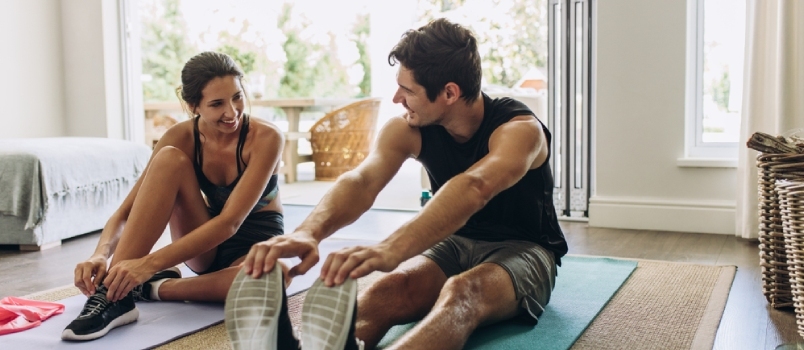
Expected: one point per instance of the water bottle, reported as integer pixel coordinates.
(425, 196)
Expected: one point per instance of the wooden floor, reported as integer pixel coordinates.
(748, 322)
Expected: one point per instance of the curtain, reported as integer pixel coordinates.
(773, 92)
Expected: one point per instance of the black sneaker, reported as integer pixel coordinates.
(143, 291)
(328, 317)
(99, 316)
(256, 313)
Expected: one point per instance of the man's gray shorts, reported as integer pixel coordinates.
(532, 268)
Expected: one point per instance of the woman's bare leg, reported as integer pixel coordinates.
(209, 287)
(169, 192)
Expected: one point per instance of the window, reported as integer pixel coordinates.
(286, 49)
(715, 53)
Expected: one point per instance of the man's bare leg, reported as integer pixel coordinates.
(402, 296)
(483, 295)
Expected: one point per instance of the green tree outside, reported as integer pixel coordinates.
(297, 79)
(360, 34)
(508, 48)
(721, 89)
(165, 49)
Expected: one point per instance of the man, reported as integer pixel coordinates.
(484, 249)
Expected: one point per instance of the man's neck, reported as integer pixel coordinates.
(463, 120)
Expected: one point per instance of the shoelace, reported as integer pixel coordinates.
(138, 294)
(95, 304)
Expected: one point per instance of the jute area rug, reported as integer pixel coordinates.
(663, 305)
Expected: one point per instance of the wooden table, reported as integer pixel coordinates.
(292, 108)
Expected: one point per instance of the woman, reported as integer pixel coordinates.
(220, 152)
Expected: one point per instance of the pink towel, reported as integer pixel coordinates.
(18, 314)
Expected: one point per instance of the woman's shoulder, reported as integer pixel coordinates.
(180, 134)
(263, 128)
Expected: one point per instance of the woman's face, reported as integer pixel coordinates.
(222, 104)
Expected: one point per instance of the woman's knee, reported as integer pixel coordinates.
(170, 158)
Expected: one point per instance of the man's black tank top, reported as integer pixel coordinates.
(523, 212)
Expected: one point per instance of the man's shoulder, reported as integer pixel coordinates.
(397, 126)
(508, 107)
(396, 133)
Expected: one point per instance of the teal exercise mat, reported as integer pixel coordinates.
(584, 286)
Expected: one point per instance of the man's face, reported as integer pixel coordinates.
(412, 96)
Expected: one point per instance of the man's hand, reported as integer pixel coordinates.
(126, 275)
(356, 262)
(263, 256)
(89, 274)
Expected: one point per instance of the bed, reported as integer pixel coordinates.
(52, 189)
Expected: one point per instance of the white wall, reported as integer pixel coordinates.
(61, 69)
(31, 88)
(640, 127)
(92, 68)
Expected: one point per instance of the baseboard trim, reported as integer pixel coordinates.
(703, 216)
(36, 248)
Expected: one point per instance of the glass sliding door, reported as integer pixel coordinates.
(569, 104)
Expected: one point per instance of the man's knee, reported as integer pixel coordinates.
(464, 294)
(391, 287)
(478, 300)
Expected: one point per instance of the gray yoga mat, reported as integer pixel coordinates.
(159, 322)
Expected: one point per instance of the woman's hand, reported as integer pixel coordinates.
(89, 274)
(126, 275)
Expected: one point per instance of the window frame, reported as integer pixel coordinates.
(694, 147)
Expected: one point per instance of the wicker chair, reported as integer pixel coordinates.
(341, 139)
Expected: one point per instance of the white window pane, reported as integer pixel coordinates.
(722, 73)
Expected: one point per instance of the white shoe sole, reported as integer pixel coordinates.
(123, 320)
(252, 310)
(327, 315)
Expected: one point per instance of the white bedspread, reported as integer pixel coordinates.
(36, 171)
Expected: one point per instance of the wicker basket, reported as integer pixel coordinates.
(772, 254)
(791, 201)
(341, 139)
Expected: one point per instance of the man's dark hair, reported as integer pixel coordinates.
(438, 53)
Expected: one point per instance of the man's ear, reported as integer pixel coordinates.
(452, 92)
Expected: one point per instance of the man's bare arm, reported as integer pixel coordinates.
(355, 191)
(514, 148)
(351, 196)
